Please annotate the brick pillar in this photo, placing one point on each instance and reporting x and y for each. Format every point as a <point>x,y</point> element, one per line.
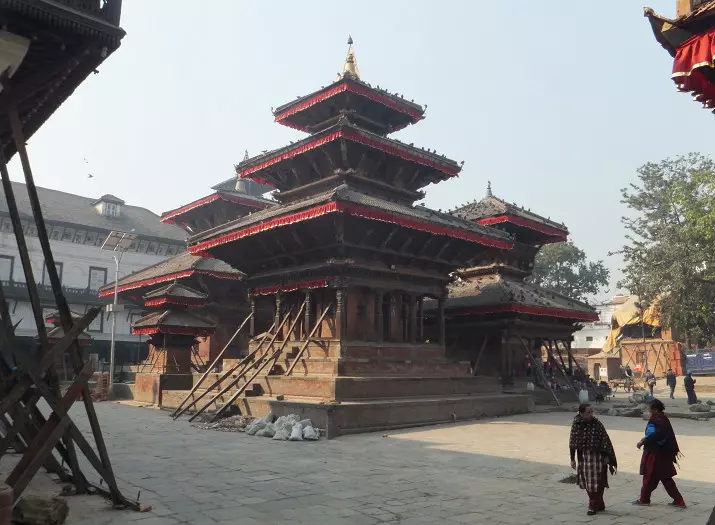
<point>252,322</point>
<point>379,316</point>
<point>339,313</point>
<point>6,497</point>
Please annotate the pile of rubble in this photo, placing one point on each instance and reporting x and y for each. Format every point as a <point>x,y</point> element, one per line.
<point>285,428</point>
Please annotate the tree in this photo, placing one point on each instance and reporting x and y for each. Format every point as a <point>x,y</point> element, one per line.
<point>563,267</point>
<point>670,250</point>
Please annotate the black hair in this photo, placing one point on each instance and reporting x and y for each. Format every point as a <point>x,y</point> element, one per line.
<point>657,405</point>
<point>582,407</point>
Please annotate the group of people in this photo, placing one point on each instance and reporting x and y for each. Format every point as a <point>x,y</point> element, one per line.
<point>593,456</point>
<point>688,382</point>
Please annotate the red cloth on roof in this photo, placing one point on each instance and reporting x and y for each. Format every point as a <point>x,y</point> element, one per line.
<point>694,54</point>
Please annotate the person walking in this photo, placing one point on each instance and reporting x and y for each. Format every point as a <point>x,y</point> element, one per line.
<point>670,380</point>
<point>590,445</point>
<point>660,454</point>
<point>689,383</point>
<point>650,380</point>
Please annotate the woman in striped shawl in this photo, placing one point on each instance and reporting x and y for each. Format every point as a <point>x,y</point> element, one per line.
<point>592,447</point>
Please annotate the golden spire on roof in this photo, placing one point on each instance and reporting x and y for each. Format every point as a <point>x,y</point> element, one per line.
<point>350,69</point>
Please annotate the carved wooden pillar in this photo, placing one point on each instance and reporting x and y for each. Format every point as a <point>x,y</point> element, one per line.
<point>440,317</point>
<point>277,319</point>
<point>252,322</point>
<point>421,316</point>
<point>412,313</point>
<point>379,316</point>
<point>306,317</point>
<point>339,313</point>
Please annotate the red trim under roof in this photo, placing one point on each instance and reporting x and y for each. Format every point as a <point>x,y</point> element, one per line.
<point>349,209</point>
<point>526,309</point>
<point>182,301</point>
<point>366,92</point>
<point>355,136</point>
<point>169,277</point>
<point>526,223</point>
<point>176,330</point>
<point>167,217</point>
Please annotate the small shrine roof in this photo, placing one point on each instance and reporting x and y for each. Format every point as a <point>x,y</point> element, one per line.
<point>178,267</point>
<point>344,194</point>
<point>54,317</point>
<point>495,293</point>
<point>242,199</point>
<point>251,167</point>
<point>178,322</point>
<point>491,206</point>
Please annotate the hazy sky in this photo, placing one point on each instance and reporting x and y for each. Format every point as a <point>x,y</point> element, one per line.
<point>556,102</point>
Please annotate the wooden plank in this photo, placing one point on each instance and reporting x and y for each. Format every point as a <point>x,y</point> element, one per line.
<point>62,306</point>
<point>40,447</point>
<point>212,365</point>
<point>539,370</point>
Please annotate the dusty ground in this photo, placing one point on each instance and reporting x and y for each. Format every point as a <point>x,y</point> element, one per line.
<point>491,471</point>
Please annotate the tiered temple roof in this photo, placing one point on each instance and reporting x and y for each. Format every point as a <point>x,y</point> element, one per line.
<point>347,194</point>
<point>526,226</point>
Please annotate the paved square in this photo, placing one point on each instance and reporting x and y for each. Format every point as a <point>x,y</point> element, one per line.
<point>490,471</point>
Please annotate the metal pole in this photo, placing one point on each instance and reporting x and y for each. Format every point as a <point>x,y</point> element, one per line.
<point>117,259</point>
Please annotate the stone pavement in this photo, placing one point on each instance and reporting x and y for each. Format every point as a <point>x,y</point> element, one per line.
<point>490,471</point>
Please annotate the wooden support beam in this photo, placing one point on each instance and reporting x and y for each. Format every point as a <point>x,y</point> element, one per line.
<point>266,361</point>
<point>340,312</point>
<point>379,315</point>
<point>308,338</point>
<point>443,248</point>
<point>243,364</point>
<point>212,366</point>
<point>344,153</point>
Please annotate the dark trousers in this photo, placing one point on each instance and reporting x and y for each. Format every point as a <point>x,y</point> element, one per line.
<point>650,387</point>
<point>595,500</point>
<point>672,391</point>
<point>650,483</point>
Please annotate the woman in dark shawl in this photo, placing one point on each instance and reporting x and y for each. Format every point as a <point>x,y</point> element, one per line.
<point>592,447</point>
<point>689,383</point>
<point>660,454</point>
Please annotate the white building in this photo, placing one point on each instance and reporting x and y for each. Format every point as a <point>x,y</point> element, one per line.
<point>77,227</point>
<point>593,335</point>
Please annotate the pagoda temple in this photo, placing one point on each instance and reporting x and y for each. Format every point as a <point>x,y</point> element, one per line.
<point>690,40</point>
<point>495,317</point>
<point>346,262</point>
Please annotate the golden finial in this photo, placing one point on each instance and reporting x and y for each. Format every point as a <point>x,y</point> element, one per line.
<point>351,68</point>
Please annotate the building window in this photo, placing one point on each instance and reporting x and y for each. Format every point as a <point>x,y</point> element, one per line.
<point>6,266</point>
<point>91,238</point>
<point>97,278</point>
<point>68,235</point>
<point>79,237</point>
<point>589,338</point>
<point>46,276</point>
<point>110,209</point>
<point>98,324</point>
